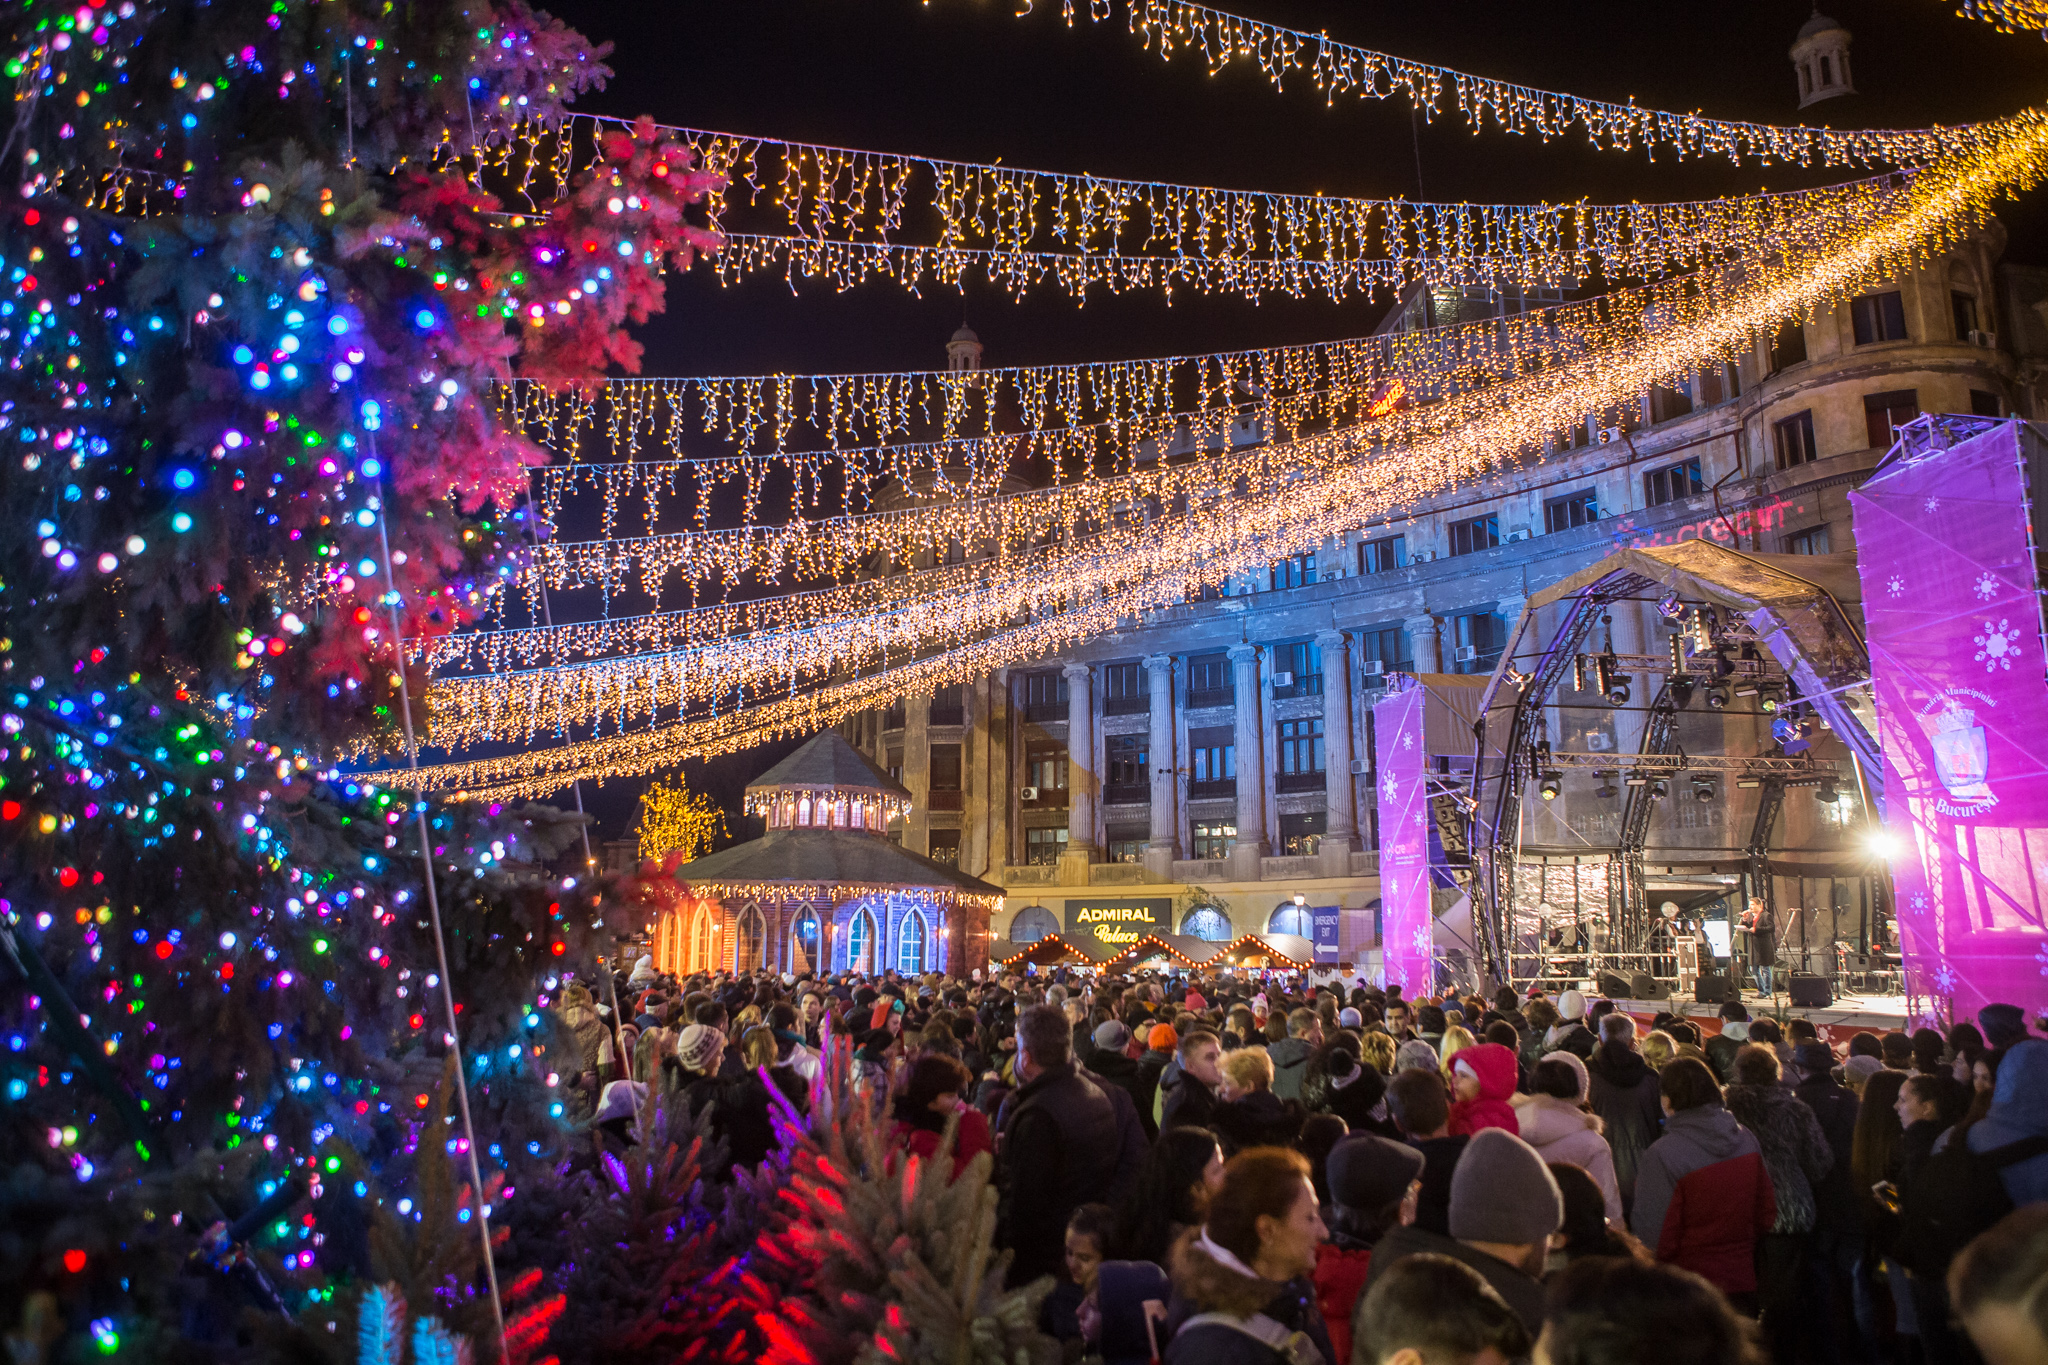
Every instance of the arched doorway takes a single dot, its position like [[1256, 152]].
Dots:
[[803, 943], [910, 943], [1292, 919], [1032, 923], [750, 940], [703, 943], [1207, 922]]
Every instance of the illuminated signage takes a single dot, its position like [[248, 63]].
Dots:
[[1107, 927]]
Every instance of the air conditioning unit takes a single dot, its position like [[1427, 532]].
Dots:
[[1514, 536], [1360, 767], [1988, 340], [1027, 793], [1372, 668], [1467, 653], [1609, 435], [1283, 680]]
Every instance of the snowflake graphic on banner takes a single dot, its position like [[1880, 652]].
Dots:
[[1934, 504], [1987, 587], [1422, 944], [1919, 904], [1945, 980], [2041, 956], [1391, 787], [1996, 645], [1895, 585]]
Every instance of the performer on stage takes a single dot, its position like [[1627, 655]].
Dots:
[[1763, 947]]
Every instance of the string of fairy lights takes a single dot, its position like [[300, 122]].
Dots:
[[1466, 430], [1345, 70]]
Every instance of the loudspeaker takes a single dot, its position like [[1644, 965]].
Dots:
[[1615, 986], [1810, 992], [1713, 988], [1643, 986]]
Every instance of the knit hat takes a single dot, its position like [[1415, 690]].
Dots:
[[1571, 1005], [1195, 1001], [621, 1098], [1162, 1038], [2003, 1025], [1112, 1036], [1369, 1172], [1350, 1018], [643, 971], [1815, 1059], [700, 1043], [1502, 1192], [1415, 1055], [1578, 1067], [1857, 1070]]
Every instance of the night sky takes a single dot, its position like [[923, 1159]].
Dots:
[[967, 80]]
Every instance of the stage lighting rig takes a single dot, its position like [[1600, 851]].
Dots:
[[1613, 682], [1702, 789], [1681, 691], [1553, 783], [1717, 698], [1826, 792], [1606, 789]]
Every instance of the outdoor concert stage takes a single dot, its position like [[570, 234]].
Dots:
[[1850, 1014]]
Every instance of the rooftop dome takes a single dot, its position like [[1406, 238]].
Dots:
[[1819, 23], [966, 333]]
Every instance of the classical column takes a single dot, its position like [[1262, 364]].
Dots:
[[1081, 776], [1424, 646], [1340, 831], [1251, 845], [1164, 847], [917, 771]]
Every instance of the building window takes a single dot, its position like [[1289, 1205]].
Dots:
[[1676, 481], [1128, 775], [1045, 767], [1470, 536], [1718, 384], [1788, 345], [1301, 664], [1386, 648], [1045, 696], [1573, 509], [1878, 317], [803, 938], [1213, 761], [1479, 637], [945, 788], [1125, 846], [1885, 413], [1794, 436], [1124, 692], [1291, 919], [949, 705], [1209, 681], [1042, 847], [1207, 922], [1299, 836], [1964, 308], [860, 943], [1378, 556], [751, 940], [910, 945], [1033, 923], [1984, 404], [1667, 403], [1301, 756], [945, 847], [1809, 542], [703, 944], [1295, 571], [894, 762], [892, 719]]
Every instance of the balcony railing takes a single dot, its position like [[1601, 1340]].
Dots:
[[1042, 711], [1204, 697], [943, 801], [1126, 793], [1127, 706], [1304, 685], [1298, 782], [1200, 791], [949, 715], [1048, 798]]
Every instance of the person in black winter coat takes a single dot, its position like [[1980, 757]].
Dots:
[[1151, 1066], [1248, 1113], [1109, 1063], [1357, 1093], [1059, 1146], [1623, 1093], [1191, 1101]]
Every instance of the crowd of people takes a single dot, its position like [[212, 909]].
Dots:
[[1227, 1170]]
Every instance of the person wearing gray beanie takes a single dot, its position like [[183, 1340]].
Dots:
[[1505, 1205]]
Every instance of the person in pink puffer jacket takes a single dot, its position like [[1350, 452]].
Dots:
[[1557, 1124], [1482, 1080]]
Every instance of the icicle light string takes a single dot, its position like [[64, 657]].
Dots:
[[807, 210], [2009, 16], [1670, 339], [1343, 69]]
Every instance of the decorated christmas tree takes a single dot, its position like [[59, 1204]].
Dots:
[[254, 296]]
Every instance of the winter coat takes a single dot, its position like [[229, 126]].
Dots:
[[1722, 1047], [1836, 1203], [1120, 1071], [1703, 1197], [1523, 1291], [1059, 1151], [1361, 1101], [1561, 1131], [1189, 1104], [1260, 1119], [1439, 1163], [1341, 1270], [970, 1141], [2019, 1110], [1573, 1037], [1623, 1092], [1290, 1063], [1494, 1065], [1203, 1284], [1795, 1150], [1150, 1067]]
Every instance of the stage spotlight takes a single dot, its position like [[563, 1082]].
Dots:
[[1670, 607], [1702, 789], [1681, 692], [1553, 782], [1717, 698], [1768, 698], [1826, 791], [1659, 789], [1606, 789]]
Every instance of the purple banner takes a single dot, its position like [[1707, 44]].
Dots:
[[1956, 660], [1403, 797]]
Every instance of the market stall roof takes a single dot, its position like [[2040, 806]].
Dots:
[[841, 864], [1048, 951], [1293, 949]]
